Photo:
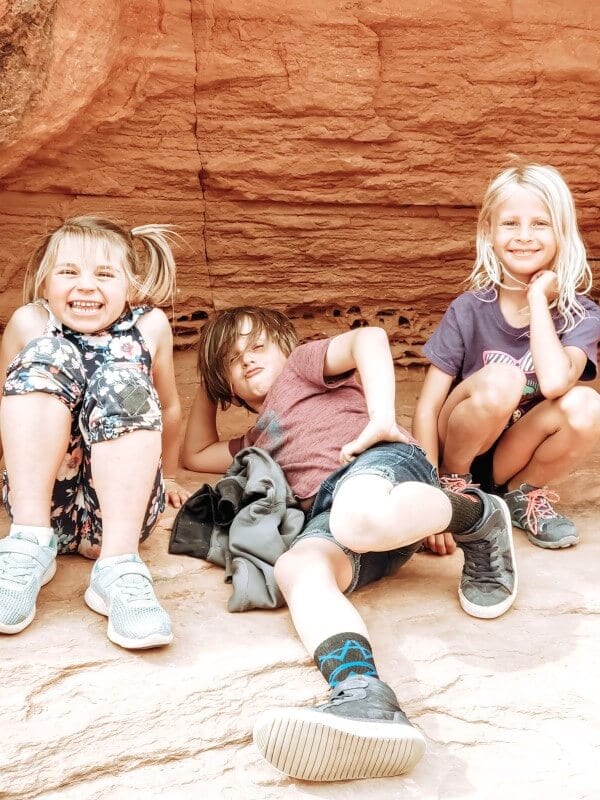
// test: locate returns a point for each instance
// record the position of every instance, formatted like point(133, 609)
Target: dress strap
point(129, 318)
point(53, 325)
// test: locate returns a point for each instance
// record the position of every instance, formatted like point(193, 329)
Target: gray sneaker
point(488, 585)
point(25, 566)
point(122, 591)
point(531, 510)
point(361, 732)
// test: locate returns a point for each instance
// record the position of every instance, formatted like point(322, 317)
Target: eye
point(542, 223)
point(105, 273)
point(509, 223)
point(66, 270)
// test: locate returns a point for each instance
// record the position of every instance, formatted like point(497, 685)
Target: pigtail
point(155, 279)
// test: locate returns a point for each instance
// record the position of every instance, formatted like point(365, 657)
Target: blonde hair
point(218, 338)
point(573, 273)
point(152, 276)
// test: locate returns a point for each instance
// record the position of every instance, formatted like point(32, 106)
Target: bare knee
point(296, 566)
point(498, 389)
point(353, 526)
point(580, 407)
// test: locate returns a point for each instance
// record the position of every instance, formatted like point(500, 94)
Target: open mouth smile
point(84, 306)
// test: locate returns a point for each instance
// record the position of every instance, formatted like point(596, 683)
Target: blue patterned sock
point(343, 655)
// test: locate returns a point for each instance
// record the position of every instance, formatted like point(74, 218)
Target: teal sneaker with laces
point(25, 566)
point(121, 589)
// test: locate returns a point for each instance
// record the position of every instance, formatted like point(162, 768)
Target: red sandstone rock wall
point(323, 156)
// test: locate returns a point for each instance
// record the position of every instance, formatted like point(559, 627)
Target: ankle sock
point(466, 511)
point(343, 655)
point(42, 534)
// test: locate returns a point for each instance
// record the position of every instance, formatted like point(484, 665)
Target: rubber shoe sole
point(567, 541)
point(316, 746)
point(492, 612)
point(20, 626)
point(97, 604)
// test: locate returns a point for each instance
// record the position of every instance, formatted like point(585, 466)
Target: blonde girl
point(89, 385)
point(500, 404)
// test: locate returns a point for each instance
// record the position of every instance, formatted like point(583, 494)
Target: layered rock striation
point(325, 156)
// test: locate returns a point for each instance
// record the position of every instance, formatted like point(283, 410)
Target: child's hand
point(442, 544)
point(375, 431)
point(174, 493)
point(543, 283)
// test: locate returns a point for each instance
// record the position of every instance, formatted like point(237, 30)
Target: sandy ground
point(509, 707)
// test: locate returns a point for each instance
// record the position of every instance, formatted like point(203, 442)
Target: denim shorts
point(397, 463)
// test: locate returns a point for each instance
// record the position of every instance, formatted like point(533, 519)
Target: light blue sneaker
point(121, 590)
point(25, 566)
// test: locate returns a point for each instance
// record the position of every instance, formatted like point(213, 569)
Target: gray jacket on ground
point(242, 524)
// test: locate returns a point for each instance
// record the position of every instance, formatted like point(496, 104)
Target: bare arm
point(202, 450)
point(157, 331)
point(557, 368)
point(432, 397)
point(368, 351)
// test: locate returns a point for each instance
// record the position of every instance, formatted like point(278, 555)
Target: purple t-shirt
point(307, 418)
point(474, 333)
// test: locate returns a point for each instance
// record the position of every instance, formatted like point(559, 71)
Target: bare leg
point(550, 440)
point(123, 471)
point(35, 435)
point(359, 733)
point(312, 577)
point(475, 414)
point(370, 514)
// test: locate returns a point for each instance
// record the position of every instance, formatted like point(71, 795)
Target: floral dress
point(105, 380)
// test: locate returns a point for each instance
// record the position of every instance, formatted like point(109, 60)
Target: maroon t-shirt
point(307, 418)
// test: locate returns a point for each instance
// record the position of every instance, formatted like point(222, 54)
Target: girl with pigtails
point(89, 418)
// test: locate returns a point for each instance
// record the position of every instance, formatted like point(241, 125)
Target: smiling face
point(87, 287)
point(255, 363)
point(521, 234)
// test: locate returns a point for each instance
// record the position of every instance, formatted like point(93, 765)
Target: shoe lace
point(482, 561)
point(459, 484)
point(17, 567)
point(135, 589)
point(539, 506)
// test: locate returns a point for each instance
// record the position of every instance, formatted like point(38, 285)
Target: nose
point(247, 356)
point(524, 232)
point(86, 281)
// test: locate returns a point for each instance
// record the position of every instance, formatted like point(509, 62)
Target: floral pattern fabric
point(105, 381)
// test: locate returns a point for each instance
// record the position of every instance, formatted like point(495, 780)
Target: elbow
point(187, 461)
point(368, 338)
point(552, 390)
point(189, 458)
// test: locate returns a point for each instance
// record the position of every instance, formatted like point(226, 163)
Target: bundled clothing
point(242, 524)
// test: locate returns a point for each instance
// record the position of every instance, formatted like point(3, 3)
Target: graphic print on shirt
point(270, 425)
point(525, 364)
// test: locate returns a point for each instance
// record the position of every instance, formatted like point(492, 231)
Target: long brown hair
point(218, 339)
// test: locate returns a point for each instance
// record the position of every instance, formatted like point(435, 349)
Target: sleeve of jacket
point(265, 526)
